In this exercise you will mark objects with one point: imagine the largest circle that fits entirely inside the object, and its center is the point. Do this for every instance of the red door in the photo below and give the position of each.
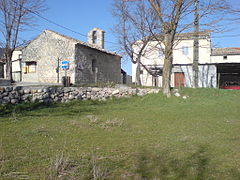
(179, 79)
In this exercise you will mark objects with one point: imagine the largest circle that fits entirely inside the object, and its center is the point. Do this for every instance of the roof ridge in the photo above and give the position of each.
(82, 43)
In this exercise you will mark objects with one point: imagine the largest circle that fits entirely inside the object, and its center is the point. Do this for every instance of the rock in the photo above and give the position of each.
(96, 89)
(177, 94)
(175, 90)
(2, 90)
(79, 97)
(14, 101)
(17, 88)
(34, 99)
(185, 97)
(45, 90)
(44, 96)
(140, 94)
(26, 91)
(47, 100)
(115, 92)
(5, 94)
(21, 92)
(39, 90)
(132, 91)
(4, 101)
(71, 97)
(7, 99)
(8, 89)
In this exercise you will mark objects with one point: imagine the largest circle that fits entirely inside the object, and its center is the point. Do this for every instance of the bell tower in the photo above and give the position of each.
(96, 37)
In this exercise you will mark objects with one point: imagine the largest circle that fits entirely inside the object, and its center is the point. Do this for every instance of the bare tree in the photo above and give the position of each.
(168, 19)
(134, 21)
(15, 15)
(173, 16)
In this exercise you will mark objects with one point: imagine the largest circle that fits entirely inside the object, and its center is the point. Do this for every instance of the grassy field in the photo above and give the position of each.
(150, 137)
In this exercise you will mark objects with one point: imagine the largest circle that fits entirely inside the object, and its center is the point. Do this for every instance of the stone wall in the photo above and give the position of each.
(4, 82)
(108, 66)
(18, 94)
(48, 50)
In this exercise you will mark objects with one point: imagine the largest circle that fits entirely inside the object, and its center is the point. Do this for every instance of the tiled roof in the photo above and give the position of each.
(186, 36)
(226, 51)
(83, 43)
(190, 35)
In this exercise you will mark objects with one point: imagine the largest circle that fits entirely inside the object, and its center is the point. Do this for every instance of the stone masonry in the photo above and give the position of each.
(50, 48)
(18, 94)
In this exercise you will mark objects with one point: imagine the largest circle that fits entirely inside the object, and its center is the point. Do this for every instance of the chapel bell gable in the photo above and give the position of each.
(96, 37)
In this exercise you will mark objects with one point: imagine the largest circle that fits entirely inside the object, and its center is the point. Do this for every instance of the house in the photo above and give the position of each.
(16, 64)
(227, 62)
(182, 73)
(51, 56)
(125, 78)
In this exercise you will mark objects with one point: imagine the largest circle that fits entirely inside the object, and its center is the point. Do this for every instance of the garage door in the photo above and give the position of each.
(228, 74)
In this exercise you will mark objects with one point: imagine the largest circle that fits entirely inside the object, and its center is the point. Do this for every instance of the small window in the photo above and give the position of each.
(94, 65)
(30, 67)
(224, 57)
(94, 37)
(185, 50)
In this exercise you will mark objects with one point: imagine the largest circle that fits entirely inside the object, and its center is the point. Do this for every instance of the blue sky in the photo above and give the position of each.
(83, 15)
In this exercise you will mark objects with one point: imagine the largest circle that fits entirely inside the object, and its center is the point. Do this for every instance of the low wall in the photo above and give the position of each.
(4, 82)
(18, 94)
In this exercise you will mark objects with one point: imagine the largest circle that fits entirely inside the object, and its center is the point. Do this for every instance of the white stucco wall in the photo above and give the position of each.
(16, 63)
(154, 57)
(204, 52)
(207, 75)
(230, 59)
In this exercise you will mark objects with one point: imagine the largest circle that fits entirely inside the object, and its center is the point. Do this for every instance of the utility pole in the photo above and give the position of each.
(196, 45)
(58, 69)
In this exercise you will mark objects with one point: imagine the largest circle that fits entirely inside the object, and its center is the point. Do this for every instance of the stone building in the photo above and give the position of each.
(51, 56)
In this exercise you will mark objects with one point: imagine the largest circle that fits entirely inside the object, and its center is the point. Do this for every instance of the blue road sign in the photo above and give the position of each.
(65, 65)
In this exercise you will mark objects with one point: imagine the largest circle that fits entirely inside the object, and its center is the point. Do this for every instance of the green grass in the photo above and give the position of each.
(150, 137)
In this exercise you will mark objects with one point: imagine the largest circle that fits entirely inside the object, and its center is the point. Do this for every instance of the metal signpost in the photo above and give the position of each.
(65, 66)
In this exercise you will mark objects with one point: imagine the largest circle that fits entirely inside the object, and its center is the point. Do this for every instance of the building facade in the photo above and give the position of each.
(227, 61)
(51, 56)
(182, 70)
(16, 65)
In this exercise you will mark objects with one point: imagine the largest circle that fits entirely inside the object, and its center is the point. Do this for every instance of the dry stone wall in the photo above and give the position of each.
(18, 94)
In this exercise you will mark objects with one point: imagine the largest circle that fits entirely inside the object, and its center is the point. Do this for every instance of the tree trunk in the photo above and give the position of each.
(8, 57)
(167, 69)
(138, 78)
(167, 76)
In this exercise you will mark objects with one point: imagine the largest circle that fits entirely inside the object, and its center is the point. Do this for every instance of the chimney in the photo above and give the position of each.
(96, 37)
